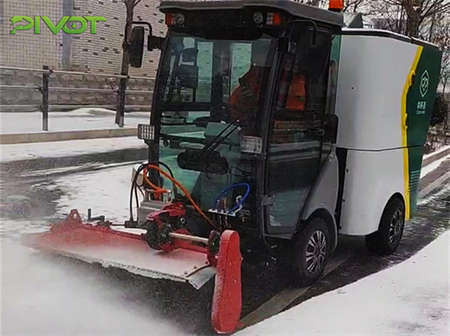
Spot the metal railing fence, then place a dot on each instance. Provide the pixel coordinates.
(45, 89)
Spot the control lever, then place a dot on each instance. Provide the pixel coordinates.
(93, 219)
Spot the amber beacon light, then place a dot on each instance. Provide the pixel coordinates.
(336, 5)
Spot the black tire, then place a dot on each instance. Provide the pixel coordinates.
(386, 240)
(311, 251)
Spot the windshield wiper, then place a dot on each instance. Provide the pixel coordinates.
(207, 159)
(219, 138)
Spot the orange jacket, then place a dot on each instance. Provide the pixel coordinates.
(246, 96)
(297, 93)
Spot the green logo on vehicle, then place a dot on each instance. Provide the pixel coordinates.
(424, 83)
(67, 24)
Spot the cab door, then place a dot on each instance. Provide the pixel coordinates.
(297, 144)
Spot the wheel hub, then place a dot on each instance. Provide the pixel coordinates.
(395, 229)
(316, 251)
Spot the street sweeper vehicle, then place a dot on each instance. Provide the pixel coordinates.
(273, 129)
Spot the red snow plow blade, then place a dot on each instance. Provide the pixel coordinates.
(187, 262)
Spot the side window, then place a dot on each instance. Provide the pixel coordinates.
(190, 73)
(333, 73)
(296, 134)
(241, 54)
(205, 52)
(302, 91)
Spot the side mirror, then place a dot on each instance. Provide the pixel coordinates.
(154, 42)
(136, 47)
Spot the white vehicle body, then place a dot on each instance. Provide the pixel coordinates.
(375, 84)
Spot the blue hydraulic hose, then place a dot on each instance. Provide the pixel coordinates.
(231, 187)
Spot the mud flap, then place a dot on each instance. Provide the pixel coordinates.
(227, 299)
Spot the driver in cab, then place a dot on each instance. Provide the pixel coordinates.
(244, 99)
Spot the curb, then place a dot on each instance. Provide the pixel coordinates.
(425, 191)
(436, 178)
(15, 168)
(9, 139)
(430, 182)
(435, 156)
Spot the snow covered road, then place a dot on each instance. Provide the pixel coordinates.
(42, 296)
(51, 296)
(411, 298)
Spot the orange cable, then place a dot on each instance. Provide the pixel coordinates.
(186, 193)
(157, 189)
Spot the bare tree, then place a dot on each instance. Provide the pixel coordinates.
(130, 5)
(440, 35)
(353, 6)
(407, 16)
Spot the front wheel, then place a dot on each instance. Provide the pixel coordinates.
(312, 247)
(386, 240)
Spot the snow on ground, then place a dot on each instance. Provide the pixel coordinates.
(440, 149)
(47, 296)
(433, 165)
(56, 149)
(43, 296)
(106, 192)
(38, 298)
(77, 120)
(434, 195)
(411, 298)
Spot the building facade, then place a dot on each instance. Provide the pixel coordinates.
(100, 52)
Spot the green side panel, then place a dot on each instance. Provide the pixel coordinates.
(419, 107)
(336, 48)
(415, 164)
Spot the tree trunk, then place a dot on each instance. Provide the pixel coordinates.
(412, 18)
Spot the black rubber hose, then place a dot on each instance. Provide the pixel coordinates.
(175, 190)
(133, 187)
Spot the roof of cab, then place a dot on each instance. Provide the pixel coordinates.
(294, 8)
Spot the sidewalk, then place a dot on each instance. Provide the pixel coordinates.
(410, 298)
(86, 123)
(61, 149)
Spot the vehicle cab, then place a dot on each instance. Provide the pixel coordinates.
(243, 98)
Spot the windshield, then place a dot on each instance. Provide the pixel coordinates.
(210, 96)
(221, 79)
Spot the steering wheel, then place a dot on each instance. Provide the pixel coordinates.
(219, 112)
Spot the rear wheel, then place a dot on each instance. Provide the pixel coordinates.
(386, 240)
(312, 247)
